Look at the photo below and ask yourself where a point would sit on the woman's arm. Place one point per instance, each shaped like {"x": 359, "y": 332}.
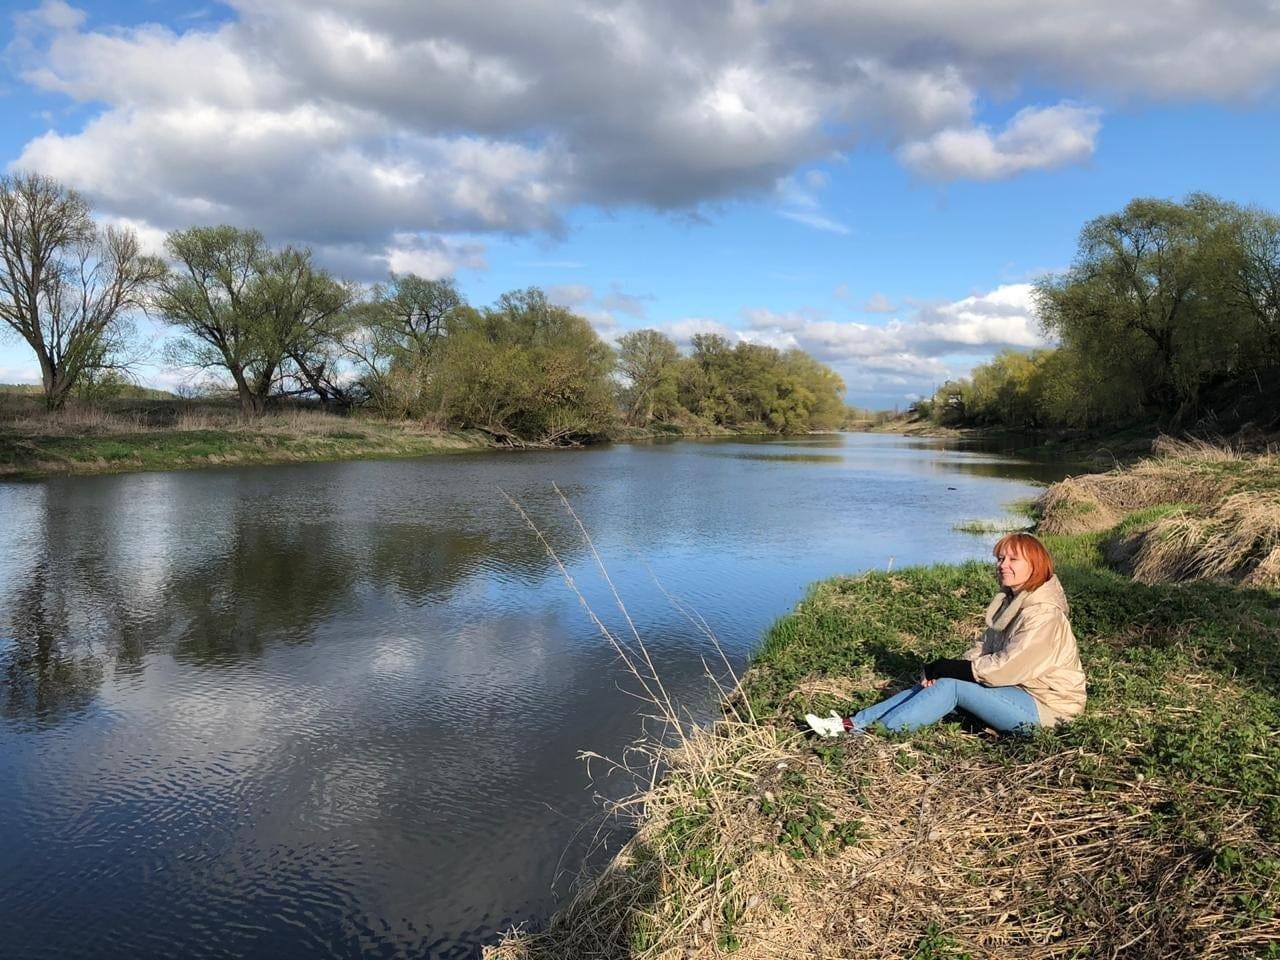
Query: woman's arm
{"x": 956, "y": 669}
{"x": 1028, "y": 652}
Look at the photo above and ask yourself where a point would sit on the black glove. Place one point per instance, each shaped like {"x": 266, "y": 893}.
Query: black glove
{"x": 955, "y": 669}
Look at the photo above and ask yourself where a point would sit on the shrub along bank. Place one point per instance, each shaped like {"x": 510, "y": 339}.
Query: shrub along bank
{"x": 1149, "y": 827}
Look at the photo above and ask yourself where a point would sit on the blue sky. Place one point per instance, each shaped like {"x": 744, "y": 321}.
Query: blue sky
{"x": 874, "y": 183}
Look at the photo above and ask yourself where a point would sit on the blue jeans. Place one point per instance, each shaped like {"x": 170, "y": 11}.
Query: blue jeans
{"x": 1004, "y": 708}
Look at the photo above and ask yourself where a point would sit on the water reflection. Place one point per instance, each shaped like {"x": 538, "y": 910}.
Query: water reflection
{"x": 335, "y": 710}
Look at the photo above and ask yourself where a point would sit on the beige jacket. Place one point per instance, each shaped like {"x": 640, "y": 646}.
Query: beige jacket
{"x": 1028, "y": 643}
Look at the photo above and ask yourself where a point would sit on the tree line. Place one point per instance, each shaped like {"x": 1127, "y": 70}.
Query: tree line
{"x": 1167, "y": 308}
{"x": 272, "y": 323}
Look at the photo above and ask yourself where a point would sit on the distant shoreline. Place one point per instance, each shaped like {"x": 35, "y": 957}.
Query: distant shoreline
{"x": 94, "y": 443}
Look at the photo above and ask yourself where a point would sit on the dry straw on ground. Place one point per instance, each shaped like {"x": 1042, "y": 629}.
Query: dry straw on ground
{"x": 1226, "y": 525}
{"x": 1237, "y": 539}
{"x": 1190, "y": 472}
{"x": 991, "y": 859}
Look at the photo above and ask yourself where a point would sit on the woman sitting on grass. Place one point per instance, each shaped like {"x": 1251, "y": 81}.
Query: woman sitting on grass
{"x": 1023, "y": 671}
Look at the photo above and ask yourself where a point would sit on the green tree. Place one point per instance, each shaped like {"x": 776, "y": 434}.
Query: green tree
{"x": 524, "y": 370}
{"x": 261, "y": 316}
{"x": 1145, "y": 292}
{"x": 702, "y": 380}
{"x": 211, "y": 295}
{"x": 826, "y": 409}
{"x": 66, "y": 286}
{"x": 303, "y": 319}
{"x": 648, "y": 359}
{"x": 392, "y": 339}
{"x": 1255, "y": 281}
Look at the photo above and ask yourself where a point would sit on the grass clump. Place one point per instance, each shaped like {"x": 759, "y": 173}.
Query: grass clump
{"x": 1179, "y": 472}
{"x": 1193, "y": 512}
{"x": 983, "y": 527}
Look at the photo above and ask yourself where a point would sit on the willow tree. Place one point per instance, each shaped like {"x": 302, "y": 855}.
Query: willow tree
{"x": 392, "y": 336}
{"x": 257, "y": 315}
{"x": 1144, "y": 302}
{"x": 67, "y": 285}
{"x": 648, "y": 358}
{"x": 523, "y": 370}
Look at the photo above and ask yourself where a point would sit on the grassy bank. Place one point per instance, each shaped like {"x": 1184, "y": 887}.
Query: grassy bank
{"x": 159, "y": 433}
{"x": 1149, "y": 827}
{"x": 1104, "y": 446}
{"x": 86, "y": 442}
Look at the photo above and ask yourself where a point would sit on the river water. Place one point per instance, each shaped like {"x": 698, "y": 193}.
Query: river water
{"x": 335, "y": 710}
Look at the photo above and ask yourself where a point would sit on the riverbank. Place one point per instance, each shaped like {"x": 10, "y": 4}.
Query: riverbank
{"x": 1114, "y": 445}
{"x": 182, "y": 436}
{"x": 1149, "y": 827}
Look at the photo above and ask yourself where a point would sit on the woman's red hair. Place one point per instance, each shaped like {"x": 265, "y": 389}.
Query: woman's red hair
{"x": 1033, "y": 551}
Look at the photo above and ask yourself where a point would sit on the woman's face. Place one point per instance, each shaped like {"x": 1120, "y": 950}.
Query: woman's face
{"x": 1012, "y": 570}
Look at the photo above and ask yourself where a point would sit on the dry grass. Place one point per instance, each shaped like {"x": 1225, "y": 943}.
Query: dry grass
{"x": 1182, "y": 471}
{"x": 1237, "y": 539}
{"x": 1222, "y": 516}
{"x": 73, "y": 421}
{"x": 915, "y": 853}
{"x": 1100, "y": 501}
{"x": 1206, "y": 451}
{"x": 93, "y": 421}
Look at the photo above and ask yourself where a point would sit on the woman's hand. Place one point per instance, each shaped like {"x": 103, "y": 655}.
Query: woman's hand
{"x": 955, "y": 669}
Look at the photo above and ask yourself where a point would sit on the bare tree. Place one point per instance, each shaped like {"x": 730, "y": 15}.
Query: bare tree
{"x": 65, "y": 285}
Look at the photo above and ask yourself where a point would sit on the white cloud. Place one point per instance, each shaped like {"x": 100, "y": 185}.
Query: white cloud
{"x": 599, "y": 309}
{"x": 878, "y": 303}
{"x": 150, "y": 239}
{"x": 936, "y": 342}
{"x": 817, "y": 220}
{"x": 570, "y": 295}
{"x": 760, "y": 318}
{"x": 983, "y": 323}
{"x": 683, "y": 331}
{"x": 632, "y": 305}
{"x": 798, "y": 199}
{"x": 1034, "y": 139}
{"x": 432, "y": 257}
{"x": 337, "y": 122}
{"x": 28, "y": 374}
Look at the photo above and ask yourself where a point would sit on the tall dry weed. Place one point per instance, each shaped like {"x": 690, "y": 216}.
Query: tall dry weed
{"x": 1237, "y": 539}
{"x": 1194, "y": 448}
{"x": 1185, "y": 471}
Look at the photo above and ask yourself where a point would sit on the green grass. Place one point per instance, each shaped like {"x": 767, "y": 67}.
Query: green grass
{"x": 1184, "y": 680}
{"x": 985, "y": 527}
{"x": 24, "y": 456}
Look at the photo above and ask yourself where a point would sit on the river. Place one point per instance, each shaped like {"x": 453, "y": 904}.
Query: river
{"x": 335, "y": 710}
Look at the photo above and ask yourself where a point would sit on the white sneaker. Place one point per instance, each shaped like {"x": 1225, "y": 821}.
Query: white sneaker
{"x": 832, "y": 726}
